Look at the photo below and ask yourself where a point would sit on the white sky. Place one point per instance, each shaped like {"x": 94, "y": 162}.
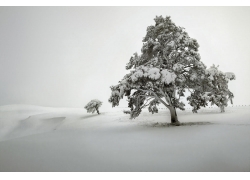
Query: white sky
{"x": 66, "y": 56}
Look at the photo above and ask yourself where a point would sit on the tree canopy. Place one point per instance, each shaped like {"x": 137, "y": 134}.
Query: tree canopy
{"x": 93, "y": 106}
{"x": 168, "y": 66}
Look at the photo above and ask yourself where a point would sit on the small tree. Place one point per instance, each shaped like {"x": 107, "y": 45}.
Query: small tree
{"x": 93, "y": 106}
{"x": 214, "y": 90}
{"x": 168, "y": 65}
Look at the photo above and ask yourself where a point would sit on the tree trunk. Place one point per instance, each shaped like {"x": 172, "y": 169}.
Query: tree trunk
{"x": 222, "y": 109}
{"x": 174, "y": 118}
{"x": 97, "y": 110}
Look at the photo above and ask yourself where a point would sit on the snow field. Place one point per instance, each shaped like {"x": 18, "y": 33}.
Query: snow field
{"x": 59, "y": 139}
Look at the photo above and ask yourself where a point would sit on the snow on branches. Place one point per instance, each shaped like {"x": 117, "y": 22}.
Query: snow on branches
{"x": 168, "y": 65}
{"x": 93, "y": 106}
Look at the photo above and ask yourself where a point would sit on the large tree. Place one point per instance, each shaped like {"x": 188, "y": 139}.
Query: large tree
{"x": 169, "y": 65}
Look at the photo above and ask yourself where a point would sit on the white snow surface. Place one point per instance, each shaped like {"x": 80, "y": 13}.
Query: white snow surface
{"x": 167, "y": 77}
{"x": 154, "y": 73}
{"x": 34, "y": 138}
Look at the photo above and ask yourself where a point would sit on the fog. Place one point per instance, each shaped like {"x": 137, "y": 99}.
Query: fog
{"x": 66, "y": 56}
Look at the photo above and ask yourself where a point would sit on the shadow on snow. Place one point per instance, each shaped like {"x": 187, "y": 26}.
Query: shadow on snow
{"x": 92, "y": 115}
{"x": 160, "y": 124}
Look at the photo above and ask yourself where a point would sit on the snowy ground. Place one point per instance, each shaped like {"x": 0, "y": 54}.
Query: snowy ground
{"x": 36, "y": 138}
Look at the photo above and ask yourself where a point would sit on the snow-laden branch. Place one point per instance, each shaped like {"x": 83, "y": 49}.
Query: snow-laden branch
{"x": 155, "y": 95}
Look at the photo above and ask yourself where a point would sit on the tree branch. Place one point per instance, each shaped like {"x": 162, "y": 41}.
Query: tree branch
{"x": 138, "y": 99}
{"x": 189, "y": 90}
{"x": 155, "y": 95}
{"x": 166, "y": 97}
{"x": 145, "y": 105}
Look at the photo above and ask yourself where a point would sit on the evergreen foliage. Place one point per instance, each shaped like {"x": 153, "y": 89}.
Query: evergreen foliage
{"x": 93, "y": 106}
{"x": 168, "y": 66}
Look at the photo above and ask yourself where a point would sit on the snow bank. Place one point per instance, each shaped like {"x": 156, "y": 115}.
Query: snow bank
{"x": 57, "y": 139}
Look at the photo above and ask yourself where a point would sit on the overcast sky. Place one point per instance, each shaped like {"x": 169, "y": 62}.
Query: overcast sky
{"x": 66, "y": 56}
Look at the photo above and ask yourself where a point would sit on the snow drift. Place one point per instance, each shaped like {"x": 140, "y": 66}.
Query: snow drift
{"x": 36, "y": 138}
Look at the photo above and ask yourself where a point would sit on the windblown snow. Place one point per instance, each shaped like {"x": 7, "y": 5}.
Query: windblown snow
{"x": 34, "y": 138}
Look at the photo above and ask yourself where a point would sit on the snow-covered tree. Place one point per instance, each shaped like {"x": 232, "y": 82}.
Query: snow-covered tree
{"x": 214, "y": 89}
{"x": 93, "y": 106}
{"x": 169, "y": 64}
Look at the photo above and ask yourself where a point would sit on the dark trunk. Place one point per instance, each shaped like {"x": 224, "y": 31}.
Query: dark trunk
{"x": 97, "y": 110}
{"x": 222, "y": 109}
{"x": 174, "y": 118}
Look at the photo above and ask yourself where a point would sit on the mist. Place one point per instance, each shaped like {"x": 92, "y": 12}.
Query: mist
{"x": 66, "y": 56}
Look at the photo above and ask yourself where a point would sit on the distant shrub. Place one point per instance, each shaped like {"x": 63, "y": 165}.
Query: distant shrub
{"x": 93, "y": 106}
